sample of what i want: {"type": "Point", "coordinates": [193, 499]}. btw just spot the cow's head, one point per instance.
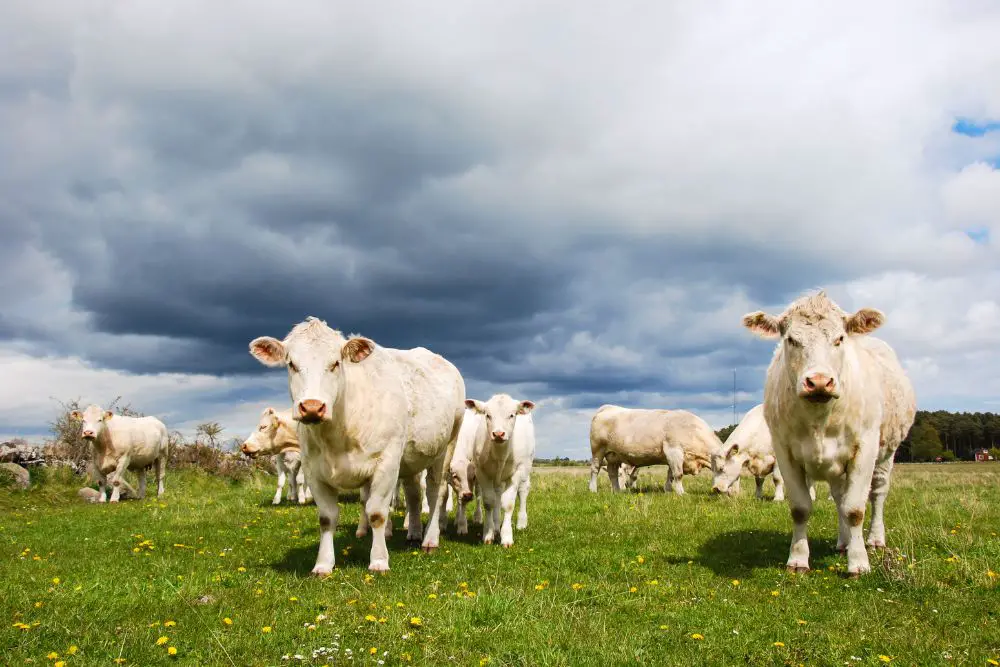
{"type": "Point", "coordinates": [500, 412]}
{"type": "Point", "coordinates": [94, 421]}
{"type": "Point", "coordinates": [262, 441]}
{"type": "Point", "coordinates": [814, 335]}
{"type": "Point", "coordinates": [463, 478]}
{"type": "Point", "coordinates": [726, 467]}
{"type": "Point", "coordinates": [314, 355]}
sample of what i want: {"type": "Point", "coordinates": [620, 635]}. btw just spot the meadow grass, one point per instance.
{"type": "Point", "coordinates": [596, 579]}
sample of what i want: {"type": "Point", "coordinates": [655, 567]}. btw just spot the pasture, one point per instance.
{"type": "Point", "coordinates": [219, 575]}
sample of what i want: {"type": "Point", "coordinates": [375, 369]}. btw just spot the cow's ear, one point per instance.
{"type": "Point", "coordinates": [269, 410]}
{"type": "Point", "coordinates": [268, 351]}
{"type": "Point", "coordinates": [76, 414]}
{"type": "Point", "coordinates": [524, 407]}
{"type": "Point", "coordinates": [108, 414]}
{"type": "Point", "coordinates": [357, 349]}
{"type": "Point", "coordinates": [733, 450]}
{"type": "Point", "coordinates": [762, 324]}
{"type": "Point", "coordinates": [864, 321]}
{"type": "Point", "coordinates": [473, 404]}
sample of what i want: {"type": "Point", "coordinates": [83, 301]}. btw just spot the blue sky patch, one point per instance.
{"type": "Point", "coordinates": [971, 128]}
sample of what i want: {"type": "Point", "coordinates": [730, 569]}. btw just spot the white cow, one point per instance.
{"type": "Point", "coordinates": [368, 415]}
{"type": "Point", "coordinates": [119, 443]}
{"type": "Point", "coordinates": [275, 435]}
{"type": "Point", "coordinates": [838, 404]}
{"type": "Point", "coordinates": [424, 507]}
{"type": "Point", "coordinates": [642, 437]}
{"type": "Point", "coordinates": [503, 451]}
{"type": "Point", "coordinates": [463, 471]}
{"type": "Point", "coordinates": [749, 446]}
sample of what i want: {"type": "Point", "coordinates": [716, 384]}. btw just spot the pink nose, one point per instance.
{"type": "Point", "coordinates": [311, 410]}
{"type": "Point", "coordinates": [88, 434]}
{"type": "Point", "coordinates": [819, 383]}
{"type": "Point", "coordinates": [498, 435]}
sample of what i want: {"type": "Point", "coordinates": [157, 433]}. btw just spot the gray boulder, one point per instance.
{"type": "Point", "coordinates": [22, 480]}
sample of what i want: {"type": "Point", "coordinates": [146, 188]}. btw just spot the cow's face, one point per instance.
{"type": "Point", "coordinates": [94, 421]}
{"type": "Point", "coordinates": [463, 478]}
{"type": "Point", "coordinates": [262, 441]}
{"type": "Point", "coordinates": [500, 413]}
{"type": "Point", "coordinates": [314, 355]}
{"type": "Point", "coordinates": [815, 335]}
{"type": "Point", "coordinates": [726, 468]}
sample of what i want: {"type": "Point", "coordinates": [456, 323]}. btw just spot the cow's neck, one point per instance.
{"type": "Point", "coordinates": [285, 437]}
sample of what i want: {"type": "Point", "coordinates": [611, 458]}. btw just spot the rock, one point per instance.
{"type": "Point", "coordinates": [22, 480]}
{"type": "Point", "coordinates": [89, 495]}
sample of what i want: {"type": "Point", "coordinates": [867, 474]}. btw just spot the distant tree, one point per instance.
{"type": "Point", "coordinates": [210, 430]}
{"type": "Point", "coordinates": [725, 431]}
{"type": "Point", "coordinates": [925, 444]}
{"type": "Point", "coordinates": [995, 453]}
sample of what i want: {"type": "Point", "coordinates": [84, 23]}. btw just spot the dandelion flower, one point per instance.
{"type": "Point", "coordinates": [416, 622]}
{"type": "Point", "coordinates": [241, 569]}
{"type": "Point", "coordinates": [484, 661]}
{"type": "Point", "coordinates": [697, 636]}
{"type": "Point", "coordinates": [266, 628]}
{"type": "Point", "coordinates": [119, 661]}
{"type": "Point", "coordinates": [664, 627]}
{"type": "Point", "coordinates": [227, 620]}
{"type": "Point", "coordinates": [171, 650]}
{"type": "Point", "coordinates": [885, 658]}
{"type": "Point", "coordinates": [55, 581]}
{"type": "Point", "coordinates": [72, 649]}
{"type": "Point", "coordinates": [801, 622]}
{"type": "Point", "coordinates": [735, 582]}
{"type": "Point", "coordinates": [654, 582]}
{"type": "Point", "coordinates": [371, 619]}
{"type": "Point", "coordinates": [991, 574]}
{"type": "Point", "coordinates": [640, 560]}
{"type": "Point", "coordinates": [779, 644]}
{"type": "Point", "coordinates": [162, 640]}
{"type": "Point", "coordinates": [373, 650]}
{"type": "Point", "coordinates": [432, 596]}
{"type": "Point", "coordinates": [39, 604]}
{"type": "Point", "coordinates": [53, 656]}
{"type": "Point", "coordinates": [632, 589]}
{"type": "Point", "coordinates": [59, 663]}
{"type": "Point", "coordinates": [775, 593]}
{"type": "Point", "coordinates": [992, 661]}
{"type": "Point", "coordinates": [577, 587]}
{"type": "Point", "coordinates": [382, 619]}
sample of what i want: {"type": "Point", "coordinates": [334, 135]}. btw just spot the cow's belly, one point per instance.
{"type": "Point", "coordinates": [341, 471]}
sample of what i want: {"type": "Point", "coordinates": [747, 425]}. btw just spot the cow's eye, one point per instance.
{"type": "Point", "coordinates": [263, 427]}
{"type": "Point", "coordinates": [510, 416]}
{"type": "Point", "coordinates": [793, 342]}
{"type": "Point", "coordinates": [292, 367]}
{"type": "Point", "coordinates": [334, 365]}
{"type": "Point", "coordinates": [840, 339]}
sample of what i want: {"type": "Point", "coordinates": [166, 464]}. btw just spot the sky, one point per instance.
{"type": "Point", "coordinates": [574, 203]}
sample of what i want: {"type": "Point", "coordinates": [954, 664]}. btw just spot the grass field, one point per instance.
{"type": "Point", "coordinates": [216, 573]}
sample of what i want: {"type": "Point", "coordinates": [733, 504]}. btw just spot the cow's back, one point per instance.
{"type": "Point", "coordinates": [633, 435]}
{"type": "Point", "coordinates": [142, 438]}
{"type": "Point", "coordinates": [435, 394]}
{"type": "Point", "coordinates": [752, 435]}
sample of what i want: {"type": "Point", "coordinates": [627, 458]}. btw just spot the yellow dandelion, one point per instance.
{"type": "Point", "coordinates": [53, 656]}
{"type": "Point", "coordinates": [162, 640]}
{"type": "Point", "coordinates": [653, 582]}
{"type": "Point", "coordinates": [227, 620]}
{"type": "Point", "coordinates": [416, 622]}
{"type": "Point", "coordinates": [119, 661]}
{"type": "Point", "coordinates": [991, 574]}
{"type": "Point", "coordinates": [632, 589]}
{"type": "Point", "coordinates": [371, 619]}
{"type": "Point", "coordinates": [311, 628]}
{"type": "Point", "coordinates": [169, 624]}
{"type": "Point", "coordinates": [664, 627]}
{"type": "Point", "coordinates": [407, 657]}
{"type": "Point", "coordinates": [539, 587]}
{"type": "Point", "coordinates": [432, 596]}
{"type": "Point", "coordinates": [266, 628]}
{"type": "Point", "coordinates": [351, 601]}
{"type": "Point", "coordinates": [697, 636]}
{"type": "Point", "coordinates": [735, 582]}
{"type": "Point", "coordinates": [39, 604]}
{"type": "Point", "coordinates": [72, 649]}
{"type": "Point", "coordinates": [241, 569]}
{"type": "Point", "coordinates": [801, 622]}
{"type": "Point", "coordinates": [640, 560]}
{"type": "Point", "coordinates": [775, 593]}
{"type": "Point", "coordinates": [991, 661]}
{"type": "Point", "coordinates": [779, 644]}
{"type": "Point", "coordinates": [483, 661]}
{"type": "Point", "coordinates": [293, 599]}
{"type": "Point", "coordinates": [382, 619]}
{"type": "Point", "coordinates": [171, 650]}
{"type": "Point", "coordinates": [885, 658]}
{"type": "Point", "coordinates": [258, 592]}
{"type": "Point", "coordinates": [373, 650]}
{"type": "Point", "coordinates": [577, 587]}
{"type": "Point", "coordinates": [400, 605]}
{"type": "Point", "coordinates": [59, 663]}
{"type": "Point", "coordinates": [55, 581]}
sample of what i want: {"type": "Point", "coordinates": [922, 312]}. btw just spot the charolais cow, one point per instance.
{"type": "Point", "coordinates": [397, 497]}
{"type": "Point", "coordinates": [645, 437]}
{"type": "Point", "coordinates": [462, 476]}
{"type": "Point", "coordinates": [367, 416]}
{"type": "Point", "coordinates": [503, 451]}
{"type": "Point", "coordinates": [838, 403]}
{"type": "Point", "coordinates": [120, 443]}
{"type": "Point", "coordinates": [275, 435]}
{"type": "Point", "coordinates": [749, 447]}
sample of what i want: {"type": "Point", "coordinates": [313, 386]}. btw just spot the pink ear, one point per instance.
{"type": "Point", "coordinates": [108, 414]}
{"type": "Point", "coordinates": [525, 407]}
{"type": "Point", "coordinates": [864, 321]}
{"type": "Point", "coordinates": [268, 351]}
{"type": "Point", "coordinates": [357, 350]}
{"type": "Point", "coordinates": [76, 414]}
{"type": "Point", "coordinates": [762, 324]}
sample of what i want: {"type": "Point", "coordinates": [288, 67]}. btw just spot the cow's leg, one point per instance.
{"type": "Point", "coordinates": [294, 492]}
{"type": "Point", "coordinates": [461, 520]}
{"type": "Point", "coordinates": [800, 503]}
{"type": "Point", "coordinates": [522, 501]}
{"type": "Point", "coordinates": [307, 494]}
{"type": "Point", "coordinates": [613, 472]}
{"type": "Point", "coordinates": [363, 518]}
{"type": "Point", "coordinates": [759, 495]}
{"type": "Point", "coordinates": [161, 470]}
{"type": "Point", "coordinates": [102, 485]}
{"type": "Point", "coordinates": [411, 491]}
{"type": "Point", "coordinates": [329, 516]}
{"type": "Point", "coordinates": [118, 479]}
{"type": "Point", "coordinates": [735, 488]}
{"type": "Point", "coordinates": [779, 484]}
{"type": "Point", "coordinates": [377, 509]}
{"type": "Point", "coordinates": [435, 501]}
{"type": "Point", "coordinates": [843, 530]}
{"type": "Point", "coordinates": [282, 475]}
{"type": "Point", "coordinates": [812, 487]}
{"type": "Point", "coordinates": [489, 502]}
{"type": "Point", "coordinates": [854, 500]}
{"type": "Point", "coordinates": [450, 503]}
{"type": "Point", "coordinates": [879, 492]}
{"type": "Point", "coordinates": [507, 498]}
{"type": "Point", "coordinates": [425, 508]}
{"type": "Point", "coordinates": [142, 484]}
{"type": "Point", "coordinates": [675, 469]}
{"type": "Point", "coordinates": [595, 470]}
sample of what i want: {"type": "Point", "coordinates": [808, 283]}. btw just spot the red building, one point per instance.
{"type": "Point", "coordinates": [983, 455]}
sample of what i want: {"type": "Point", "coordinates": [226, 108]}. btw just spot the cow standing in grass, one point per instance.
{"type": "Point", "coordinates": [749, 446]}
{"type": "Point", "coordinates": [503, 450]}
{"type": "Point", "coordinates": [462, 476]}
{"type": "Point", "coordinates": [838, 404]}
{"type": "Point", "coordinates": [641, 437]}
{"type": "Point", "coordinates": [119, 443]}
{"type": "Point", "coordinates": [368, 415]}
{"type": "Point", "coordinates": [275, 435]}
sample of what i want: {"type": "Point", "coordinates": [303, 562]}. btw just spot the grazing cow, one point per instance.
{"type": "Point", "coordinates": [275, 434]}
{"type": "Point", "coordinates": [838, 404]}
{"type": "Point", "coordinates": [367, 416]}
{"type": "Point", "coordinates": [119, 443]}
{"type": "Point", "coordinates": [463, 471]}
{"type": "Point", "coordinates": [642, 437]}
{"type": "Point", "coordinates": [503, 451]}
{"type": "Point", "coordinates": [749, 446]}
{"type": "Point", "coordinates": [424, 507]}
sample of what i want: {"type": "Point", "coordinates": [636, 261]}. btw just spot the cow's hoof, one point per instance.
{"type": "Point", "coordinates": [876, 544]}
{"type": "Point", "coordinates": [461, 531]}
{"type": "Point", "coordinates": [797, 569]}
{"type": "Point", "coordinates": [322, 571]}
{"type": "Point", "coordinates": [360, 533]}
{"type": "Point", "coordinates": [487, 540]}
{"type": "Point", "coordinates": [853, 575]}
{"type": "Point", "coordinates": [378, 566]}
{"type": "Point", "coordinates": [506, 545]}
{"type": "Point", "coordinates": [841, 550]}
{"type": "Point", "coordinates": [429, 549]}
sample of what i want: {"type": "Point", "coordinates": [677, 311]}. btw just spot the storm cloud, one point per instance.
{"type": "Point", "coordinates": [573, 203]}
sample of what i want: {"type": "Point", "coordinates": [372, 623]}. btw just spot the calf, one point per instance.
{"type": "Point", "coordinates": [463, 471]}
{"type": "Point", "coordinates": [367, 416]}
{"type": "Point", "coordinates": [641, 437]}
{"type": "Point", "coordinates": [121, 443]}
{"type": "Point", "coordinates": [275, 435]}
{"type": "Point", "coordinates": [503, 451]}
{"type": "Point", "coordinates": [837, 403]}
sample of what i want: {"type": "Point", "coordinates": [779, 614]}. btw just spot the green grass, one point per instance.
{"type": "Point", "coordinates": [712, 567]}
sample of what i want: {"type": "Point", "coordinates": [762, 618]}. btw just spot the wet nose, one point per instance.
{"type": "Point", "coordinates": [498, 435]}
{"type": "Point", "coordinates": [311, 410]}
{"type": "Point", "coordinates": [245, 448]}
{"type": "Point", "coordinates": [88, 434]}
{"type": "Point", "coordinates": [716, 489]}
{"type": "Point", "coordinates": [819, 383]}
{"type": "Point", "coordinates": [467, 496]}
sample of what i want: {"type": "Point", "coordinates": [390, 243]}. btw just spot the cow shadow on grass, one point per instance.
{"type": "Point", "coordinates": [735, 554]}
